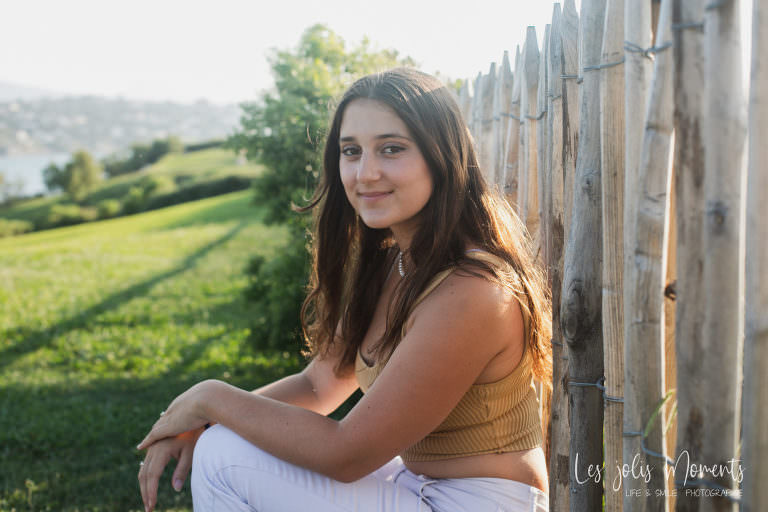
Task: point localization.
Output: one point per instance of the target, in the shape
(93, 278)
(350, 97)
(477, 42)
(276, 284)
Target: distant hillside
(102, 125)
(10, 91)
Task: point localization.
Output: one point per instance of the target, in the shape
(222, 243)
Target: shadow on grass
(33, 340)
(76, 443)
(238, 209)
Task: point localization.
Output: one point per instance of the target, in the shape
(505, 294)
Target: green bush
(11, 227)
(198, 191)
(69, 214)
(190, 148)
(134, 201)
(157, 184)
(109, 208)
(275, 293)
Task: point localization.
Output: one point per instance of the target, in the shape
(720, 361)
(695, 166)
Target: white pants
(231, 474)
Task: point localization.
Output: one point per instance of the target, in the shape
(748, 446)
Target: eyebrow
(382, 136)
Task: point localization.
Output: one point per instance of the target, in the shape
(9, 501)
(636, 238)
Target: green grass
(101, 325)
(192, 168)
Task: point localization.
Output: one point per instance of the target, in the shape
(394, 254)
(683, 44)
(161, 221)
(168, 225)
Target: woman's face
(385, 176)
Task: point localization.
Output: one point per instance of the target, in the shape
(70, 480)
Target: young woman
(426, 296)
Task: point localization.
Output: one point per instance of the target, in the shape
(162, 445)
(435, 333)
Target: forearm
(292, 433)
(294, 389)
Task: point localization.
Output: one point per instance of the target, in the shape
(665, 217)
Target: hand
(184, 414)
(159, 454)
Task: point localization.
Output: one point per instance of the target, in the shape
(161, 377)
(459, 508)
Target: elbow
(348, 469)
(348, 463)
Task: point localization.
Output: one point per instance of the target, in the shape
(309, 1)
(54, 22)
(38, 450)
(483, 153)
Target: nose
(368, 169)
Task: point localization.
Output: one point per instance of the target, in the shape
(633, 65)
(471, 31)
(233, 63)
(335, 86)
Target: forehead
(366, 117)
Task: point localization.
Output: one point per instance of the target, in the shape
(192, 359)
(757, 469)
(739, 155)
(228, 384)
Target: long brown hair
(351, 260)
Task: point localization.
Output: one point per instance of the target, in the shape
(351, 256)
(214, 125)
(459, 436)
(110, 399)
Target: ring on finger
(162, 412)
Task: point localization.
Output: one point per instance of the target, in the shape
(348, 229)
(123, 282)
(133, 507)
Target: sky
(188, 50)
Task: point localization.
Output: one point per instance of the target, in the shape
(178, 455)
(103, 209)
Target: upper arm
(454, 334)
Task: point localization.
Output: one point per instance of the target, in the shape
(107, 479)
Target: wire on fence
(538, 117)
(604, 65)
(699, 25)
(696, 482)
(599, 385)
(647, 52)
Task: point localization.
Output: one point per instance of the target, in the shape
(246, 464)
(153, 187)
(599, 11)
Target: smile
(372, 195)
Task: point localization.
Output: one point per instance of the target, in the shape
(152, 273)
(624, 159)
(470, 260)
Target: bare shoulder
(473, 298)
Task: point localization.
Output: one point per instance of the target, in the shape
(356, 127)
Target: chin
(376, 223)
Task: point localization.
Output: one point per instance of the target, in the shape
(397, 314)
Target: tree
(284, 131)
(76, 178)
(54, 177)
(82, 173)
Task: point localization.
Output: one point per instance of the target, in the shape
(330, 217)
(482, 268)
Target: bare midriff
(526, 466)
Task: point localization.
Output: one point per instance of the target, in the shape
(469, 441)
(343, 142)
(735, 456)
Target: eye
(392, 149)
(350, 150)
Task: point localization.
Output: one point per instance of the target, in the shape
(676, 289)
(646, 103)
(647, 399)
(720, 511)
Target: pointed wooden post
(717, 375)
(644, 348)
(570, 37)
(529, 181)
(581, 316)
(542, 149)
(465, 102)
(612, 179)
(637, 77)
(689, 155)
(512, 145)
(503, 100)
(485, 142)
(754, 447)
(477, 110)
(559, 437)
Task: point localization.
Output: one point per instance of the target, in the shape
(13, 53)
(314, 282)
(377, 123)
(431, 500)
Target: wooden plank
(755, 414)
(465, 102)
(570, 35)
(542, 148)
(559, 438)
(718, 375)
(512, 145)
(612, 124)
(581, 315)
(544, 188)
(689, 157)
(501, 109)
(528, 196)
(477, 114)
(637, 77)
(645, 283)
(487, 154)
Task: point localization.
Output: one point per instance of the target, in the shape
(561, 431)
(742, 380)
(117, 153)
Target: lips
(373, 195)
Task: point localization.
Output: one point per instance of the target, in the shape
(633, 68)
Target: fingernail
(177, 484)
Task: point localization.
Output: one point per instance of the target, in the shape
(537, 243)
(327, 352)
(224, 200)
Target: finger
(182, 468)
(153, 436)
(142, 486)
(154, 469)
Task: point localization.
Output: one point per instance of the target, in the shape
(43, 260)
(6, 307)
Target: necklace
(400, 267)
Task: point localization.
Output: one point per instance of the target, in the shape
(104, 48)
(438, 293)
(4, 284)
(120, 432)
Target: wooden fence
(622, 143)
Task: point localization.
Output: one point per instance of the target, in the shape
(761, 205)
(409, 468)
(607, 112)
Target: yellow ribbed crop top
(495, 417)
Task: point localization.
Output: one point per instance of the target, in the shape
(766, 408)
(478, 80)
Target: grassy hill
(101, 325)
(180, 169)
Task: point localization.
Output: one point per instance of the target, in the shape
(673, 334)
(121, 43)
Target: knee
(216, 448)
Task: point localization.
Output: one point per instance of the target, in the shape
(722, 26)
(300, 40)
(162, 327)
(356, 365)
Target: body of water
(29, 169)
